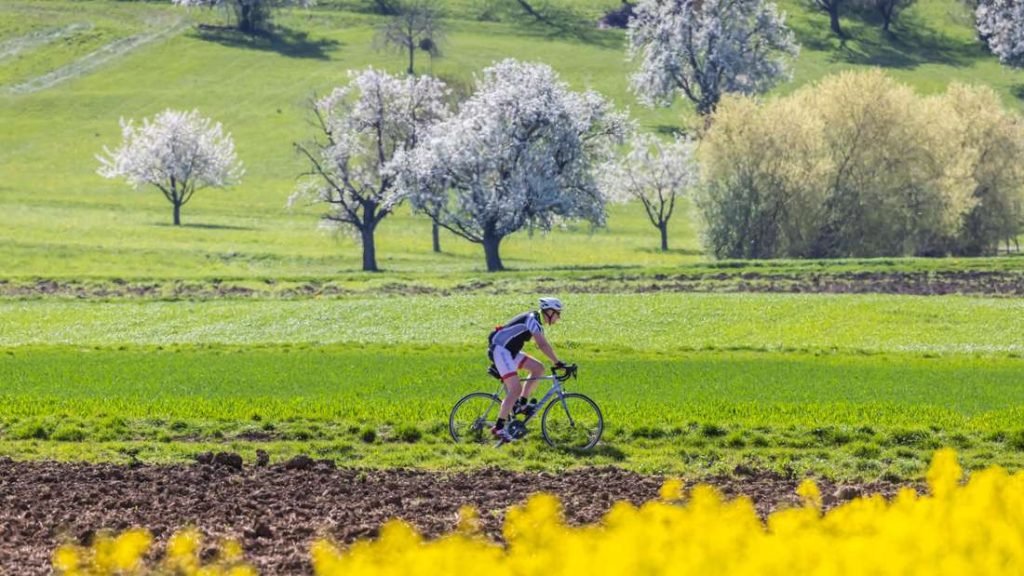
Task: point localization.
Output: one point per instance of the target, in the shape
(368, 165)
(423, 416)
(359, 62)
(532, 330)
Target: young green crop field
(846, 386)
(248, 328)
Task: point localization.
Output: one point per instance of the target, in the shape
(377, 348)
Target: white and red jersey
(517, 332)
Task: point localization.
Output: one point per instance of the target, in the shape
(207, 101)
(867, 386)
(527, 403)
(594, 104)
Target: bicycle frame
(556, 389)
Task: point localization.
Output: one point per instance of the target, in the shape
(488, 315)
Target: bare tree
(415, 25)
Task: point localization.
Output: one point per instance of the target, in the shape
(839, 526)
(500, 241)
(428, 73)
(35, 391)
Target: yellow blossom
(671, 490)
(809, 494)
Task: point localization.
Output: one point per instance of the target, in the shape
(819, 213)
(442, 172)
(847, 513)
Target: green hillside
(70, 70)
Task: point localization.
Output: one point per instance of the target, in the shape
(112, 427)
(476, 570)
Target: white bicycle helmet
(551, 304)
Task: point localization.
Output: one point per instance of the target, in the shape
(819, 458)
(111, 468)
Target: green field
(845, 386)
(635, 323)
(249, 328)
(59, 219)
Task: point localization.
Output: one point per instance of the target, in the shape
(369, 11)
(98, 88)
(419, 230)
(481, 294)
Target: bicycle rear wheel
(573, 422)
(472, 418)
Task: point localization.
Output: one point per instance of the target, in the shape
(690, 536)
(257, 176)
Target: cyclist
(505, 350)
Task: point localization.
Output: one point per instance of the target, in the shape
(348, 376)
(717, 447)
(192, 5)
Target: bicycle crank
(516, 429)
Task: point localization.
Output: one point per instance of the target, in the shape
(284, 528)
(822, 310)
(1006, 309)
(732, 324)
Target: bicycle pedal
(517, 429)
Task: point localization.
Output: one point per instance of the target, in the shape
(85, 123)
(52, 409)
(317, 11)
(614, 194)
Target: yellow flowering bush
(976, 528)
(126, 555)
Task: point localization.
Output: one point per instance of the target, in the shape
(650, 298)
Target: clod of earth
(277, 511)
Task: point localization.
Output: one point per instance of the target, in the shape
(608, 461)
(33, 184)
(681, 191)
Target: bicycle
(568, 419)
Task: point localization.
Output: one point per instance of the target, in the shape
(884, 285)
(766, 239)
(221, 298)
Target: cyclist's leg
(507, 369)
(515, 390)
(536, 371)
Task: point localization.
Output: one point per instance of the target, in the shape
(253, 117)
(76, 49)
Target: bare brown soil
(277, 510)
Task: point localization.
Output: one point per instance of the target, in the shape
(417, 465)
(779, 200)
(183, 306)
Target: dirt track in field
(277, 510)
(978, 283)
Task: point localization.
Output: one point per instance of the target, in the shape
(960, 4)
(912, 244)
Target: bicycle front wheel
(472, 418)
(572, 422)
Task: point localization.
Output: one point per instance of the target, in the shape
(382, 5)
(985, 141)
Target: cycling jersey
(517, 332)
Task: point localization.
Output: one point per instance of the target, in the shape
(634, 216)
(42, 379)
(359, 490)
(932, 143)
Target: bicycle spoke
(472, 418)
(573, 422)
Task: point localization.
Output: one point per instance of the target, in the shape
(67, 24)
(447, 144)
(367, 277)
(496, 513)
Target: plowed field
(277, 510)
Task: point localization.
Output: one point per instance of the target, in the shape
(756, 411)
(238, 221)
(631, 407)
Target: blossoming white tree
(251, 16)
(704, 48)
(177, 152)
(656, 173)
(363, 125)
(521, 151)
(1001, 23)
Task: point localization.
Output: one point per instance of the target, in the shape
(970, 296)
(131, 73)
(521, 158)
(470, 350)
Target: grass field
(848, 386)
(59, 219)
(601, 322)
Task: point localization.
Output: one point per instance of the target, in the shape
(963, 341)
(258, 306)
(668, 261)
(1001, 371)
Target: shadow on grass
(1018, 91)
(673, 251)
(585, 267)
(910, 43)
(206, 226)
(558, 22)
(671, 130)
(284, 41)
(599, 451)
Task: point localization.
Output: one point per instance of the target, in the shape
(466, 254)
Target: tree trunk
(436, 235)
(412, 56)
(491, 245)
(245, 19)
(886, 16)
(177, 214)
(369, 248)
(706, 107)
(663, 227)
(833, 14)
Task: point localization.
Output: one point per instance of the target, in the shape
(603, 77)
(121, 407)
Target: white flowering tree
(656, 174)
(520, 152)
(177, 152)
(705, 48)
(1001, 24)
(362, 126)
(251, 16)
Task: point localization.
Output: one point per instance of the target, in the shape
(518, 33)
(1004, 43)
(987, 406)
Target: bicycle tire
(570, 417)
(477, 430)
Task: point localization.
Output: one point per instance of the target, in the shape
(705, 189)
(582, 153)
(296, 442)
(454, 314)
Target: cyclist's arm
(545, 347)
